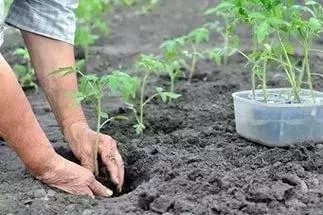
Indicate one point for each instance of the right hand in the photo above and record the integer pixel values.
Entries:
(72, 178)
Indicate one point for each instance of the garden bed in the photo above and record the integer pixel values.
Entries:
(190, 160)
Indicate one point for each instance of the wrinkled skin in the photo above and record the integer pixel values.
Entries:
(72, 178)
(81, 140)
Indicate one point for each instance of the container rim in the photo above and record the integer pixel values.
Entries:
(236, 95)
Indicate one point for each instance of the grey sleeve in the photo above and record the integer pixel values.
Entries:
(50, 18)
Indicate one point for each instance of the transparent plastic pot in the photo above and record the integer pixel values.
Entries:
(279, 124)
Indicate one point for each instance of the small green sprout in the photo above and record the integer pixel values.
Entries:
(194, 38)
(92, 88)
(173, 61)
(24, 72)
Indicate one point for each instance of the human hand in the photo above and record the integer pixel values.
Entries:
(72, 178)
(82, 140)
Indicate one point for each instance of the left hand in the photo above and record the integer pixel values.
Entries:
(82, 139)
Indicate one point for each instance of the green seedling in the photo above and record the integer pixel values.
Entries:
(89, 16)
(92, 88)
(7, 4)
(172, 50)
(24, 72)
(226, 31)
(145, 5)
(194, 38)
(137, 87)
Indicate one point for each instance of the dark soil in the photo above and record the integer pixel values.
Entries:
(190, 159)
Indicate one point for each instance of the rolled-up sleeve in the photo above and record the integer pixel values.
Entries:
(50, 18)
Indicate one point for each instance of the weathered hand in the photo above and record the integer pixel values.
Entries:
(72, 178)
(82, 140)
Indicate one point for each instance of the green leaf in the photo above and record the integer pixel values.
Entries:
(104, 115)
(199, 35)
(139, 128)
(123, 83)
(80, 64)
(262, 31)
(64, 71)
(315, 24)
(161, 93)
(311, 3)
(165, 96)
(150, 63)
(20, 52)
(216, 55)
(223, 7)
(257, 16)
(120, 117)
(289, 48)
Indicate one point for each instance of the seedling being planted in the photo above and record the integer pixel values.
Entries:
(24, 72)
(132, 87)
(172, 50)
(92, 88)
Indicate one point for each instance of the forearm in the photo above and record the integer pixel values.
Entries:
(18, 125)
(48, 55)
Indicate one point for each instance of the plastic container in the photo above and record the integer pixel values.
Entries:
(279, 123)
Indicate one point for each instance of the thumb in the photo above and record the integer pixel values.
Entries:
(99, 190)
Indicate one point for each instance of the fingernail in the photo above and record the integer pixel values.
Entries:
(109, 193)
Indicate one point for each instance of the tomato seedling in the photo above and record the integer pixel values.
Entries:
(133, 87)
(89, 19)
(24, 72)
(194, 38)
(276, 27)
(92, 88)
(172, 50)
(226, 30)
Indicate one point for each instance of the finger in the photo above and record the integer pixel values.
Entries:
(80, 192)
(109, 159)
(120, 170)
(99, 190)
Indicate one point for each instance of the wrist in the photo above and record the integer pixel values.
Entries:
(74, 130)
(77, 117)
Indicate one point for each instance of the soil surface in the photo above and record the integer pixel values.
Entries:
(190, 159)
